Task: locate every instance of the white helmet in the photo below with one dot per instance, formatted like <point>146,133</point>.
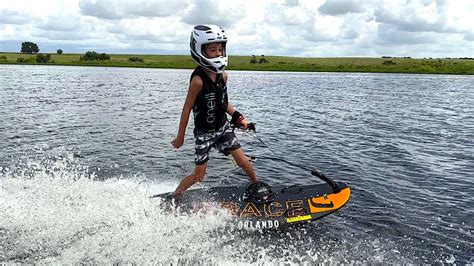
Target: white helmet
<point>204,34</point>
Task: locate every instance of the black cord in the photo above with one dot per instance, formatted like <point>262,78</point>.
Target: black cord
<point>279,158</point>
<point>314,172</point>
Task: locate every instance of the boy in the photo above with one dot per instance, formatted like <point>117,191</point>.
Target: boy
<point>207,97</point>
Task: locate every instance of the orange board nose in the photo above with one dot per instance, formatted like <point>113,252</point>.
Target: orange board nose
<point>329,202</point>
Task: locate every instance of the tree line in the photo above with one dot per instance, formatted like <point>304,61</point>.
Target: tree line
<point>32,48</point>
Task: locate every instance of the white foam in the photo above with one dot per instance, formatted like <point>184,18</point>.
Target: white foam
<point>53,214</point>
<point>57,212</point>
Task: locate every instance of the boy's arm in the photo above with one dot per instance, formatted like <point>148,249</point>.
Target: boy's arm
<point>194,89</point>
<point>241,122</point>
<point>230,109</point>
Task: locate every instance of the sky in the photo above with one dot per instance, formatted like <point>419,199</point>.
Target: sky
<point>308,28</point>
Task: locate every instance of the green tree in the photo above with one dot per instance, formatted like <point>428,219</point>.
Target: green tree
<point>59,51</point>
<point>89,56</point>
<point>253,60</point>
<point>135,59</point>
<point>262,60</point>
<point>389,63</point>
<point>43,58</point>
<point>92,55</point>
<point>29,48</point>
<point>104,56</point>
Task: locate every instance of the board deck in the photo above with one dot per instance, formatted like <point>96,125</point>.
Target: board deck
<point>289,205</point>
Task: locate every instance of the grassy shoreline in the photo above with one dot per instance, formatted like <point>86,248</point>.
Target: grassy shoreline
<point>275,63</point>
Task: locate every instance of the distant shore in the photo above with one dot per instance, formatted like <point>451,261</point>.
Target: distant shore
<point>264,63</point>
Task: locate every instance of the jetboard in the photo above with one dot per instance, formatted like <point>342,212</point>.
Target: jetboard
<point>289,205</point>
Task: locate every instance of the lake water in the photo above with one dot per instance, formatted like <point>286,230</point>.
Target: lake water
<point>82,148</point>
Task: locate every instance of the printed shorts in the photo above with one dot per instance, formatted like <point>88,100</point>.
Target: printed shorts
<point>223,140</point>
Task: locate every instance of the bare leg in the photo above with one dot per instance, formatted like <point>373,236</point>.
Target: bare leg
<point>244,162</point>
<point>196,176</point>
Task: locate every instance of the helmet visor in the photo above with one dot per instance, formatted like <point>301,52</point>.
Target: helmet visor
<point>214,50</point>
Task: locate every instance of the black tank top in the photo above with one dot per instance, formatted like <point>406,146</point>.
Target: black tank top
<point>211,104</point>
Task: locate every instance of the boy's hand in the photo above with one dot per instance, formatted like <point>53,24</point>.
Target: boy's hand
<point>243,123</point>
<point>246,125</point>
<point>251,127</point>
<point>178,142</point>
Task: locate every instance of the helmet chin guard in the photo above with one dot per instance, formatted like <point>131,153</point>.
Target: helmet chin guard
<point>205,34</point>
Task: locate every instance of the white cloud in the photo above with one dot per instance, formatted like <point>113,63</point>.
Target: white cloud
<point>417,28</point>
<point>60,23</point>
<point>102,9</point>
<point>223,13</point>
<point>421,16</point>
<point>291,3</point>
<point>339,7</point>
<point>389,36</point>
<point>15,17</point>
<point>120,9</point>
<point>152,29</point>
<point>295,16</point>
<point>470,37</point>
<point>324,29</point>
